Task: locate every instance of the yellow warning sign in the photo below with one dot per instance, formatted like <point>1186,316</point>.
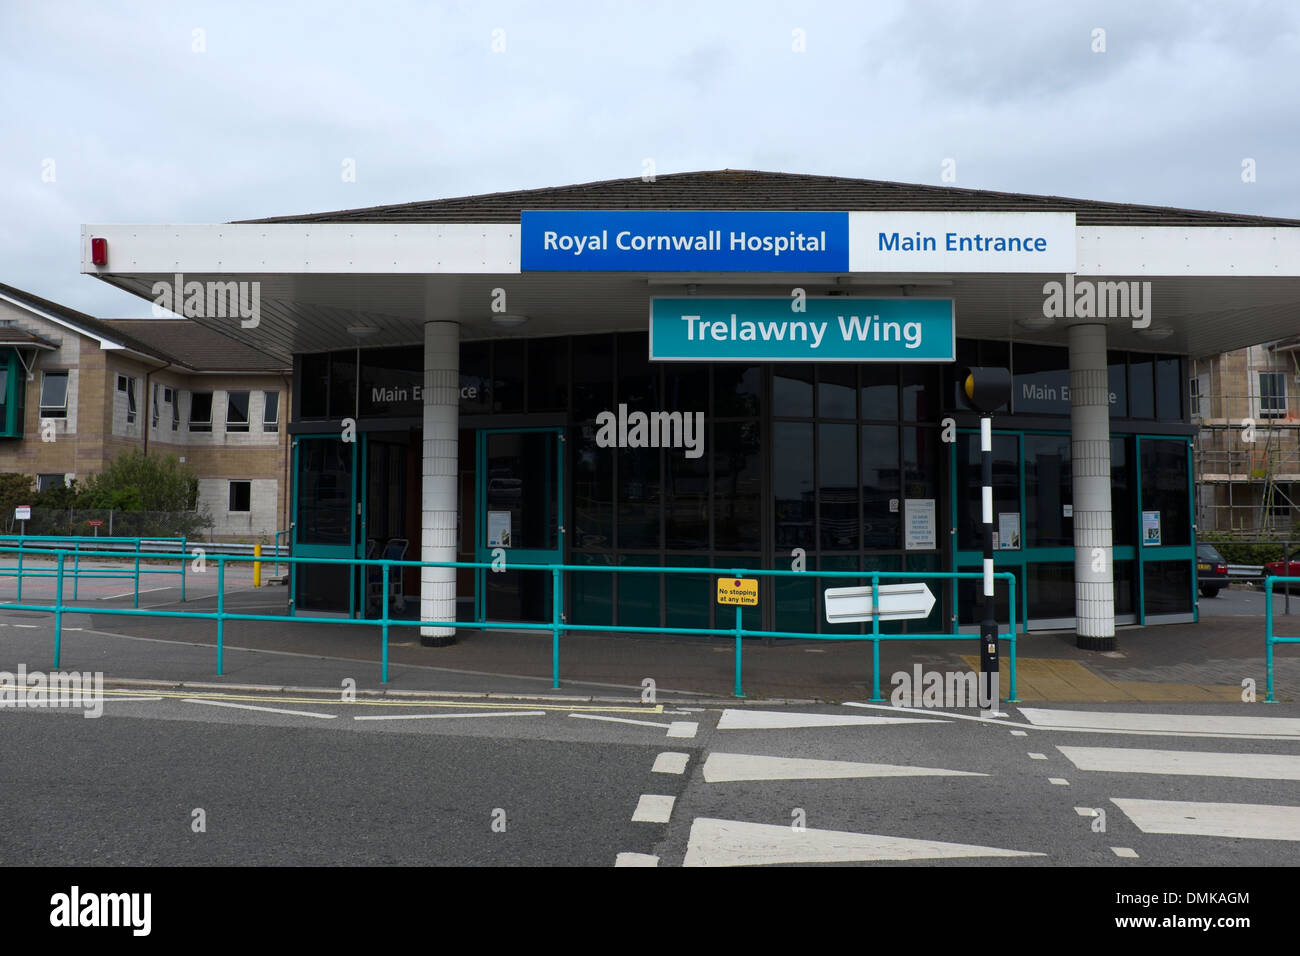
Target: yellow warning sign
<point>738,590</point>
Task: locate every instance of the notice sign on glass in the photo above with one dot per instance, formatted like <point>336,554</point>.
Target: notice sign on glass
<point>1008,536</point>
<point>498,529</point>
<point>1151,529</point>
<point>918,524</point>
<point>738,591</point>
<point>786,329</point>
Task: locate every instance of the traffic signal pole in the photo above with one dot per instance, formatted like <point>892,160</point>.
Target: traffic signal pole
<point>988,678</point>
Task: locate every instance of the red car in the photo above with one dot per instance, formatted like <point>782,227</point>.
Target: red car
<point>1274,569</point>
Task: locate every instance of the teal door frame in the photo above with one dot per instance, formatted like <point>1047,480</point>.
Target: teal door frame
<point>306,550</point>
<point>555,478</point>
<point>1164,552</point>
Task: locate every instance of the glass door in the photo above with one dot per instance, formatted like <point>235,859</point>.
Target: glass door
<point>324,525</point>
<point>1166,551</point>
<point>520,512</point>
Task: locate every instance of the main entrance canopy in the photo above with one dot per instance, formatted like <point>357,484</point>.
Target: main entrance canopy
<point>1014,273</point>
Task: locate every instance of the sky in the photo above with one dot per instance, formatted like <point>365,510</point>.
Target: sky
<point>211,112</point>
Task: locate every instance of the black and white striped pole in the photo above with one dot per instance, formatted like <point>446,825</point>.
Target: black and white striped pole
<point>988,389</point>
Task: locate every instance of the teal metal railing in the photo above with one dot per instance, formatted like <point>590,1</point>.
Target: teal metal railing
<point>30,546</point>
<point>1269,637</point>
<point>557,625</point>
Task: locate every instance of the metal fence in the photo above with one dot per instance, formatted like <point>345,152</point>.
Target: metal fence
<point>111,522</point>
<point>1289,583</point>
<point>557,626</point>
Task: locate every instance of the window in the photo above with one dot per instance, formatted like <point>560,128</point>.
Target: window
<point>54,395</point>
<point>127,384</point>
<point>1272,395</point>
<point>271,412</point>
<point>47,482</point>
<point>1280,505</point>
<point>237,411</point>
<point>172,398</point>
<point>201,412</point>
<point>1198,392</point>
<point>154,415</point>
<point>240,495</point>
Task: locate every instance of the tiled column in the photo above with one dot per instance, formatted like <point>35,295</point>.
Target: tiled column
<point>1094,572</point>
<point>438,494</point>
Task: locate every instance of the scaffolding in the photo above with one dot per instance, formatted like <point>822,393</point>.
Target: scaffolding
<point>1247,452</point>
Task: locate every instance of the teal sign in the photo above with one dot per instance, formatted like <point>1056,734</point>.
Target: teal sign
<point>832,329</point>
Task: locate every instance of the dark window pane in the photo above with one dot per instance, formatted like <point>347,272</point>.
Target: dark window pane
<point>638,592</point>
<point>313,376</point>
<point>881,487</point>
<point>837,391</point>
<point>638,379</point>
<point>792,391</point>
<point>686,387</point>
<point>1124,586</point>
<point>735,391</point>
<point>1141,387</point>
<point>593,375</point>
<point>593,493</point>
<point>239,495</point>
<point>837,464</point>
<point>1048,490</point>
<point>686,501</point>
<point>1169,389</point>
<point>1041,381</point>
<point>924,459</point>
<point>508,376</point>
<point>688,598</point>
<point>548,375</point>
<point>475,380</point>
<point>737,479</point>
<point>1165,488</point>
<point>797,602</point>
<point>1051,590</point>
<point>920,392</point>
<point>343,384</point>
<point>324,491</point>
<point>970,598</point>
<point>880,392</point>
<point>792,484</point>
<point>1123,504</point>
<point>592,592</point>
<point>1006,486</point>
<point>1167,587</point>
<point>391,382</point>
<point>270,409</point>
<point>638,498</point>
<point>201,412</point>
<point>237,411</point>
<point>1117,378</point>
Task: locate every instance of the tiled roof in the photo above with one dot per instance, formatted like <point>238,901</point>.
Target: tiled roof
<point>751,189</point>
<point>197,347</point>
<point>13,335</point>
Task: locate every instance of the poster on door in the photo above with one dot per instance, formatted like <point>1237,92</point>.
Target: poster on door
<point>919,524</point>
<point>1008,536</point>
<point>498,529</point>
<point>1151,529</point>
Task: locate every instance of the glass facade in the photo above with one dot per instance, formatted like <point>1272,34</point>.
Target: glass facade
<point>815,463</point>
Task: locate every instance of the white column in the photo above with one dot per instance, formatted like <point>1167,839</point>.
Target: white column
<point>1094,574</point>
<point>441,465</point>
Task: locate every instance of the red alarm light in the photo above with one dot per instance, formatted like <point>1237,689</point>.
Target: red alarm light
<point>99,251</point>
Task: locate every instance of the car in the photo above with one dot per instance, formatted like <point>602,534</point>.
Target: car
<point>1274,569</point>
<point>1211,570</point>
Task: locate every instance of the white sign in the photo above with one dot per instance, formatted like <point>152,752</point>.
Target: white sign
<point>919,529</point>
<point>962,242</point>
<point>898,602</point>
<point>1067,511</point>
<point>23,513</point>
<point>498,529</point>
<point>1008,536</point>
<point>1151,528</point>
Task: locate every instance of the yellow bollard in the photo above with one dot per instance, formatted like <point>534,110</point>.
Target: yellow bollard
<point>257,566</point>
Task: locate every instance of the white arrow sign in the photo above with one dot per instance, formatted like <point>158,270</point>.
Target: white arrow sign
<point>898,602</point>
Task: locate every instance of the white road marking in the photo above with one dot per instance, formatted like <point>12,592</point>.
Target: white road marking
<point>1058,781</point>
<point>683,728</point>
<point>1192,763</point>
<point>636,859</point>
<point>1124,852</point>
<point>132,593</point>
<point>620,720</point>
<point>1250,821</point>
<point>1086,811</point>
<point>722,768</point>
<point>653,808</point>
<point>736,843</point>
<point>493,713</point>
<point>1199,724</point>
<point>1019,733</point>
<point>693,710</point>
<point>107,698</point>
<point>25,626</point>
<point>269,710</point>
<point>779,720</point>
<point>670,762</point>
<point>1034,756</point>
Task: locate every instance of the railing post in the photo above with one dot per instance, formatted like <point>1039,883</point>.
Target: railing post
<point>76,568</point>
<point>555,628</point>
<point>383,625</point>
<point>59,611</point>
<point>221,611</point>
<point>137,574</point>
<point>1011,697</point>
<point>875,638</point>
<point>184,561</point>
<point>1268,635</point>
<point>20,570</point>
<point>739,691</point>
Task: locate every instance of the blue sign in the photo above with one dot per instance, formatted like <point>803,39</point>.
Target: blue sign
<point>683,241</point>
<point>837,329</point>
